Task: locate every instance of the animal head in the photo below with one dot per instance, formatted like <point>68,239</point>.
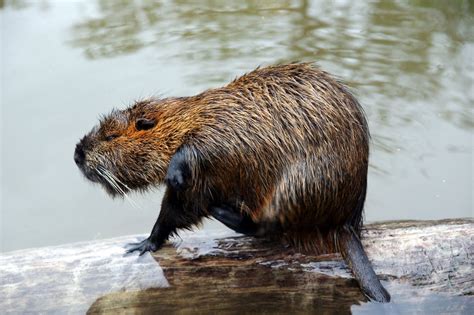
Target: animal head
<point>129,149</point>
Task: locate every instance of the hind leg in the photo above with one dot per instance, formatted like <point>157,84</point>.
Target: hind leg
<point>235,220</point>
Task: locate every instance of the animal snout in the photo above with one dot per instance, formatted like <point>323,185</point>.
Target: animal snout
<point>79,155</point>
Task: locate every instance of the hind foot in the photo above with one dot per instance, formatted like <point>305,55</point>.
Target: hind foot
<point>233,219</point>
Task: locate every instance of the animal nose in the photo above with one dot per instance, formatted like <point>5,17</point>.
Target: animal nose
<point>79,155</point>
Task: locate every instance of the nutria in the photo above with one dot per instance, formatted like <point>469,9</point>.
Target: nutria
<point>281,151</point>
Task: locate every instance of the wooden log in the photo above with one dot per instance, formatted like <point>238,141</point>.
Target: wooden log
<point>427,266</point>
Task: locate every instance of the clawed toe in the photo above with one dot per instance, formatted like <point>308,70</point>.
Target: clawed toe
<point>135,244</point>
<point>144,246</point>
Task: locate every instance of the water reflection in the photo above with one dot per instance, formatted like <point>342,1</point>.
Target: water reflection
<point>407,51</point>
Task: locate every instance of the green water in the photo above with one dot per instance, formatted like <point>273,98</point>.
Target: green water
<point>66,62</point>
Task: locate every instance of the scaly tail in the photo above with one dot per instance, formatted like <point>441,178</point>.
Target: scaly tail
<point>351,249</point>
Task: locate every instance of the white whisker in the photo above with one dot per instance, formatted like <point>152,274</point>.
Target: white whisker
<point>107,179</point>
<point>114,182</point>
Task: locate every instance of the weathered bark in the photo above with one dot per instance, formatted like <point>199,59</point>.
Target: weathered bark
<point>425,265</point>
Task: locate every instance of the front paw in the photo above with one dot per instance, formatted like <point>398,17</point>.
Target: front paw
<point>144,246</point>
<point>176,178</point>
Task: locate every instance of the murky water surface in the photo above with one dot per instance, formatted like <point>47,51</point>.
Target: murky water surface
<point>66,62</point>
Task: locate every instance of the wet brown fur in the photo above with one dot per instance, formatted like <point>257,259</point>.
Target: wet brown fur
<point>285,144</point>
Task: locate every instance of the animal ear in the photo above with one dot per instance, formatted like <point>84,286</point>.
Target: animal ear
<point>145,123</point>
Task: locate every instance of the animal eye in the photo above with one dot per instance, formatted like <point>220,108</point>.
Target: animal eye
<point>111,137</point>
<point>144,123</point>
